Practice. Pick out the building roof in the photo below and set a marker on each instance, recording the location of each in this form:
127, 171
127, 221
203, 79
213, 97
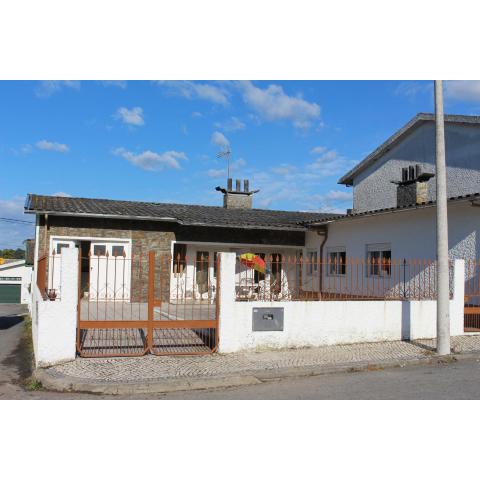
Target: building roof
473, 197
171, 212
399, 135
11, 262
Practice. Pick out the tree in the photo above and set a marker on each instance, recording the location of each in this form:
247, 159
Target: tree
12, 254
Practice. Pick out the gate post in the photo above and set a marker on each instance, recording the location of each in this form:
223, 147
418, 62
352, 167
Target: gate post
150, 297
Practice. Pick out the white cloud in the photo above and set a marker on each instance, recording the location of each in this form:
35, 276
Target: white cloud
152, 161
334, 201
463, 90
411, 89
274, 104
338, 195
115, 83
231, 125
196, 90
52, 146
317, 150
47, 88
197, 115
133, 116
329, 162
220, 140
222, 172
284, 169
62, 194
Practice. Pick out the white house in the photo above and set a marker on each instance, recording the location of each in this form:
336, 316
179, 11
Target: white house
393, 215
141, 277
15, 281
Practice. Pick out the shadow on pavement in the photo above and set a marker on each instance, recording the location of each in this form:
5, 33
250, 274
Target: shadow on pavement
9, 321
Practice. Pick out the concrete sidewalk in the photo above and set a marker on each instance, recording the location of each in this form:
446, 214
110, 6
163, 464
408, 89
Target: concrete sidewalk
154, 374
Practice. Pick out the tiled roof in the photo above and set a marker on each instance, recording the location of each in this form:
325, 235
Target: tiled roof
381, 211
415, 122
180, 213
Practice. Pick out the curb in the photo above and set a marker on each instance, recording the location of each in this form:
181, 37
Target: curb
63, 383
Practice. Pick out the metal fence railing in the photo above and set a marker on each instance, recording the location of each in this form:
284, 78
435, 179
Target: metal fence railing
472, 295
135, 304
298, 279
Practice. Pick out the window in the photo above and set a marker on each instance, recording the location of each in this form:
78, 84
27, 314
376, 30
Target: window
99, 250
201, 273
215, 264
61, 246
379, 257
179, 257
118, 250
203, 260
312, 262
337, 258
276, 273
257, 276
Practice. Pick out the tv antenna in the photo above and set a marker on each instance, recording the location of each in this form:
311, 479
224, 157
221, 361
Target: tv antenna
227, 154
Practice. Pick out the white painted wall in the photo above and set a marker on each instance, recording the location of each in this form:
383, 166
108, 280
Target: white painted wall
54, 323
319, 323
411, 234
21, 271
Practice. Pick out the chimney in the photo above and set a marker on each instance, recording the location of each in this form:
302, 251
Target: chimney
412, 189
237, 198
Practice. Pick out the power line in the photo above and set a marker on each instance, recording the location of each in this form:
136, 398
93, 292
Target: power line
14, 220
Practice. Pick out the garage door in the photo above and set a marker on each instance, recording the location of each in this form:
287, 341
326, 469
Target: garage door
10, 293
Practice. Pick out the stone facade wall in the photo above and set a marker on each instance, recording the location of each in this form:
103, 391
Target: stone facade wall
157, 236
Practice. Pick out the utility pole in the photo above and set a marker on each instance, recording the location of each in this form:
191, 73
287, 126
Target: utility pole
443, 294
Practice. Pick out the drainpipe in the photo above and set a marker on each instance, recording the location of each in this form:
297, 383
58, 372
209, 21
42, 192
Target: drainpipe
325, 238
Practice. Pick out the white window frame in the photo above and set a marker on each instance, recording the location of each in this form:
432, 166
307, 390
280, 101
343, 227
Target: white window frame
337, 251
380, 248
312, 262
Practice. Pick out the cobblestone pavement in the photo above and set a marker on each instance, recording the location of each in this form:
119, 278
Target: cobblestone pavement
151, 367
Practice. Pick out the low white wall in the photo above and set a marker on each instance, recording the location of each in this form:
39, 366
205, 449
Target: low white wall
54, 323
316, 323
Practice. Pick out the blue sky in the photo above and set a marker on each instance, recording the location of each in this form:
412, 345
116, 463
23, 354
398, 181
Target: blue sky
157, 141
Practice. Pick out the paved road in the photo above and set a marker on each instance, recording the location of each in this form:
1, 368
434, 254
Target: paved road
459, 380
11, 329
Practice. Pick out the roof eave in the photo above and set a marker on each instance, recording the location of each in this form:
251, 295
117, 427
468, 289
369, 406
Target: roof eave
472, 198
166, 219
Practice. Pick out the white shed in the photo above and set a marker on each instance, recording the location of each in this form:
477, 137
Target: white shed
15, 280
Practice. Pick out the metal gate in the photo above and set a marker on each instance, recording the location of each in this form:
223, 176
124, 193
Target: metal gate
146, 304
472, 296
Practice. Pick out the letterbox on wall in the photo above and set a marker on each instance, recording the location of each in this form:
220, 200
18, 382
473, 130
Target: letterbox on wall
267, 319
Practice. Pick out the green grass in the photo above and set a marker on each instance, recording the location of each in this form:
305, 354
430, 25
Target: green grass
27, 333
33, 385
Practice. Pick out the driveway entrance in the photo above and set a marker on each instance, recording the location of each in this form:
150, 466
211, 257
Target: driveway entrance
143, 319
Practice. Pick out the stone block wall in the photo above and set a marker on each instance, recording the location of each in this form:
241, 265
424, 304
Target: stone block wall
158, 237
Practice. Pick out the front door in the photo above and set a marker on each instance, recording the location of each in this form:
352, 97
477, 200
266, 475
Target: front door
110, 267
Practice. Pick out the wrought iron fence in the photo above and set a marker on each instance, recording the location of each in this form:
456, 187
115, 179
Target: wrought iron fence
147, 303
472, 295
297, 279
